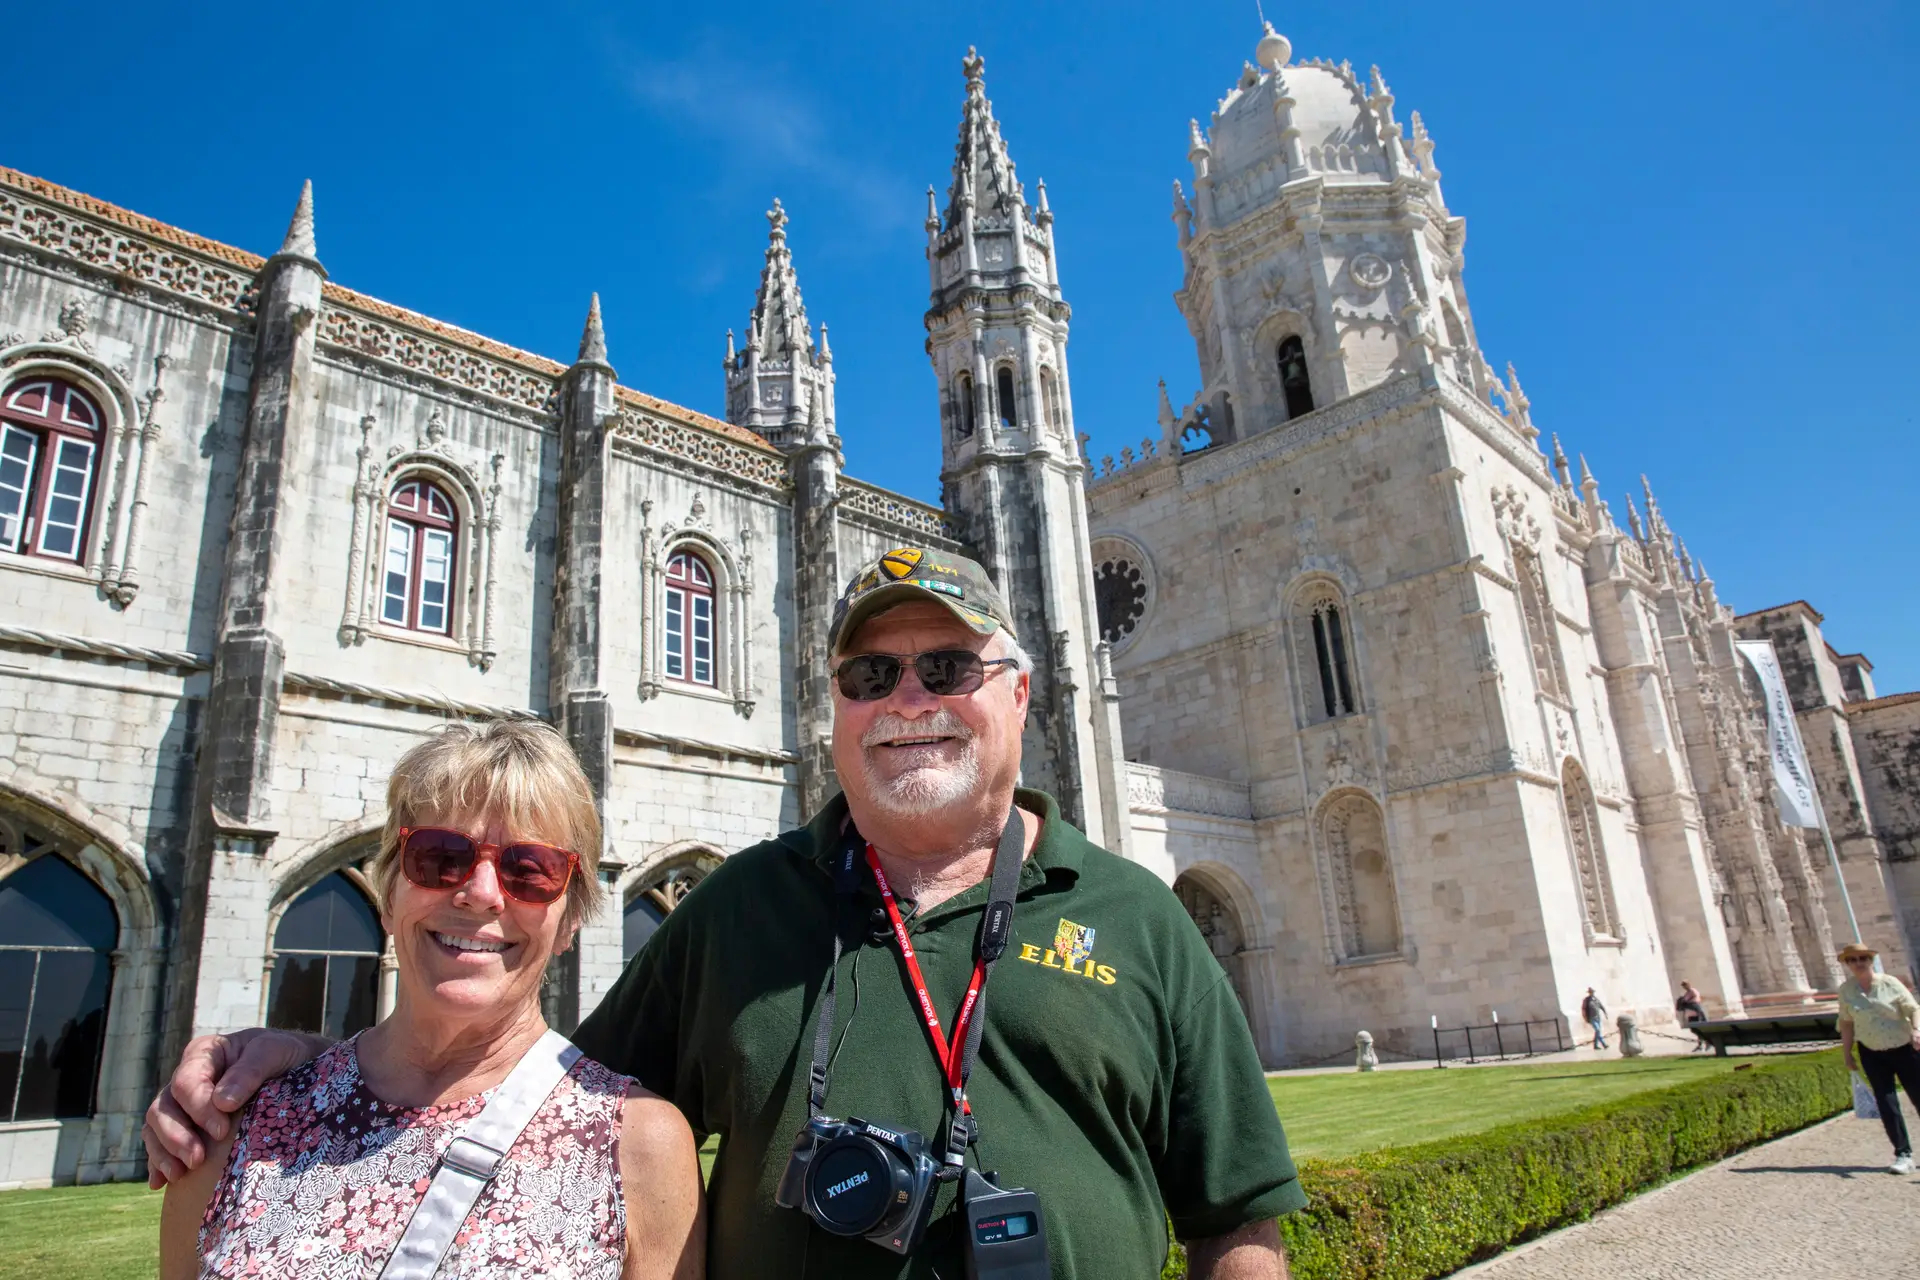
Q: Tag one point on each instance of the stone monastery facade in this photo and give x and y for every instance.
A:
(1417, 729)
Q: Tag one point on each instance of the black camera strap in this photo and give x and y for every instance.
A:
(846, 884)
(996, 930)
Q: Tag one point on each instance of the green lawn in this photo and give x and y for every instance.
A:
(108, 1232)
(1333, 1115)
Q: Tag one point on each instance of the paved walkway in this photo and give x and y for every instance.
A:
(1773, 1213)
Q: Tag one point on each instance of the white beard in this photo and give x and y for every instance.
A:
(923, 790)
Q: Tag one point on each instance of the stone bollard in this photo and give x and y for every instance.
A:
(1363, 1055)
(1630, 1046)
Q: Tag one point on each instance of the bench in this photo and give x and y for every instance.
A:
(1794, 1028)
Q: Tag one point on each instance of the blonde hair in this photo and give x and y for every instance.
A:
(520, 772)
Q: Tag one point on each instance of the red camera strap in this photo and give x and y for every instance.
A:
(948, 1054)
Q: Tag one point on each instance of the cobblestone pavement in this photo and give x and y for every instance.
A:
(1777, 1212)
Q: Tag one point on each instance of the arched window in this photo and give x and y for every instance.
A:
(1293, 377)
(326, 962)
(416, 585)
(1325, 634)
(1003, 397)
(1589, 855)
(1543, 630)
(1050, 401)
(963, 406)
(647, 910)
(690, 619)
(57, 935)
(50, 444)
(1366, 914)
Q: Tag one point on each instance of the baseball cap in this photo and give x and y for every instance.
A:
(920, 573)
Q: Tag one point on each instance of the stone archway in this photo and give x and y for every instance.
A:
(1213, 913)
(659, 886)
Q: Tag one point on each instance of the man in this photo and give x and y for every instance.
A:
(1595, 1013)
(1691, 1010)
(1115, 1075)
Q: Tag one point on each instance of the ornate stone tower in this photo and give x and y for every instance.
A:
(1320, 256)
(781, 387)
(1011, 471)
(773, 383)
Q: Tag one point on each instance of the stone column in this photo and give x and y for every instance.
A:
(815, 467)
(234, 767)
(579, 701)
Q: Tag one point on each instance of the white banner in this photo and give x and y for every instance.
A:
(1792, 779)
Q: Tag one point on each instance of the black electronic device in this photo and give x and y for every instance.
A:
(858, 1179)
(1004, 1234)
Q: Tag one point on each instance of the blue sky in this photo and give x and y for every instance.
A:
(1691, 227)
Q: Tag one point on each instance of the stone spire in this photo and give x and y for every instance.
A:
(593, 339)
(779, 316)
(299, 241)
(1560, 461)
(774, 381)
(1012, 477)
(983, 177)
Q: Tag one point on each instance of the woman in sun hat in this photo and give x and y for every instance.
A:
(386, 1150)
(1880, 1018)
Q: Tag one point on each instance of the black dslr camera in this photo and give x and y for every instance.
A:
(857, 1179)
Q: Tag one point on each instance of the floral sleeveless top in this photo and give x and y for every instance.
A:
(324, 1178)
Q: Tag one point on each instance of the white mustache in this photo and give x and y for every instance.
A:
(894, 725)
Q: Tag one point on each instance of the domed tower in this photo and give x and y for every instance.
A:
(776, 382)
(1320, 257)
(1011, 470)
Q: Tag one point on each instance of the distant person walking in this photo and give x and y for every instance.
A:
(1880, 1017)
(1691, 1010)
(1594, 1010)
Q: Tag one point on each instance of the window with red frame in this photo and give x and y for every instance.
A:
(689, 619)
(50, 445)
(416, 578)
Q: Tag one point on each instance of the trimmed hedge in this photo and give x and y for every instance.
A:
(1413, 1213)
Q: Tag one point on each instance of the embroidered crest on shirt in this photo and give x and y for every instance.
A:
(1073, 943)
(1071, 953)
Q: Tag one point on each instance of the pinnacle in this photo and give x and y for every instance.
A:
(777, 221)
(299, 241)
(983, 173)
(593, 340)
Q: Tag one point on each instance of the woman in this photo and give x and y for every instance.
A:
(488, 864)
(1880, 1017)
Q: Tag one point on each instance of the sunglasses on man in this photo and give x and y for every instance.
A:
(441, 858)
(945, 673)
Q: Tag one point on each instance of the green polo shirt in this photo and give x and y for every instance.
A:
(1116, 1074)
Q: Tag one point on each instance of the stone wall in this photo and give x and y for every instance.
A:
(1886, 741)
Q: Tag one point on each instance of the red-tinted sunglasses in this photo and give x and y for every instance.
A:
(441, 858)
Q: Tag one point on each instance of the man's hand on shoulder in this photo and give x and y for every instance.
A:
(217, 1076)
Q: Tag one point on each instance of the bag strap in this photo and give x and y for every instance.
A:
(475, 1157)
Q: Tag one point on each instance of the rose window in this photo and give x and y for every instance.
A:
(1120, 596)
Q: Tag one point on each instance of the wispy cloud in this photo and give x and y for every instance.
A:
(766, 129)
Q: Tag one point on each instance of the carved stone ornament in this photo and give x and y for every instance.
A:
(1511, 518)
(1370, 271)
(75, 320)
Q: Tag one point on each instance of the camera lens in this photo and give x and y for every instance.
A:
(852, 1184)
